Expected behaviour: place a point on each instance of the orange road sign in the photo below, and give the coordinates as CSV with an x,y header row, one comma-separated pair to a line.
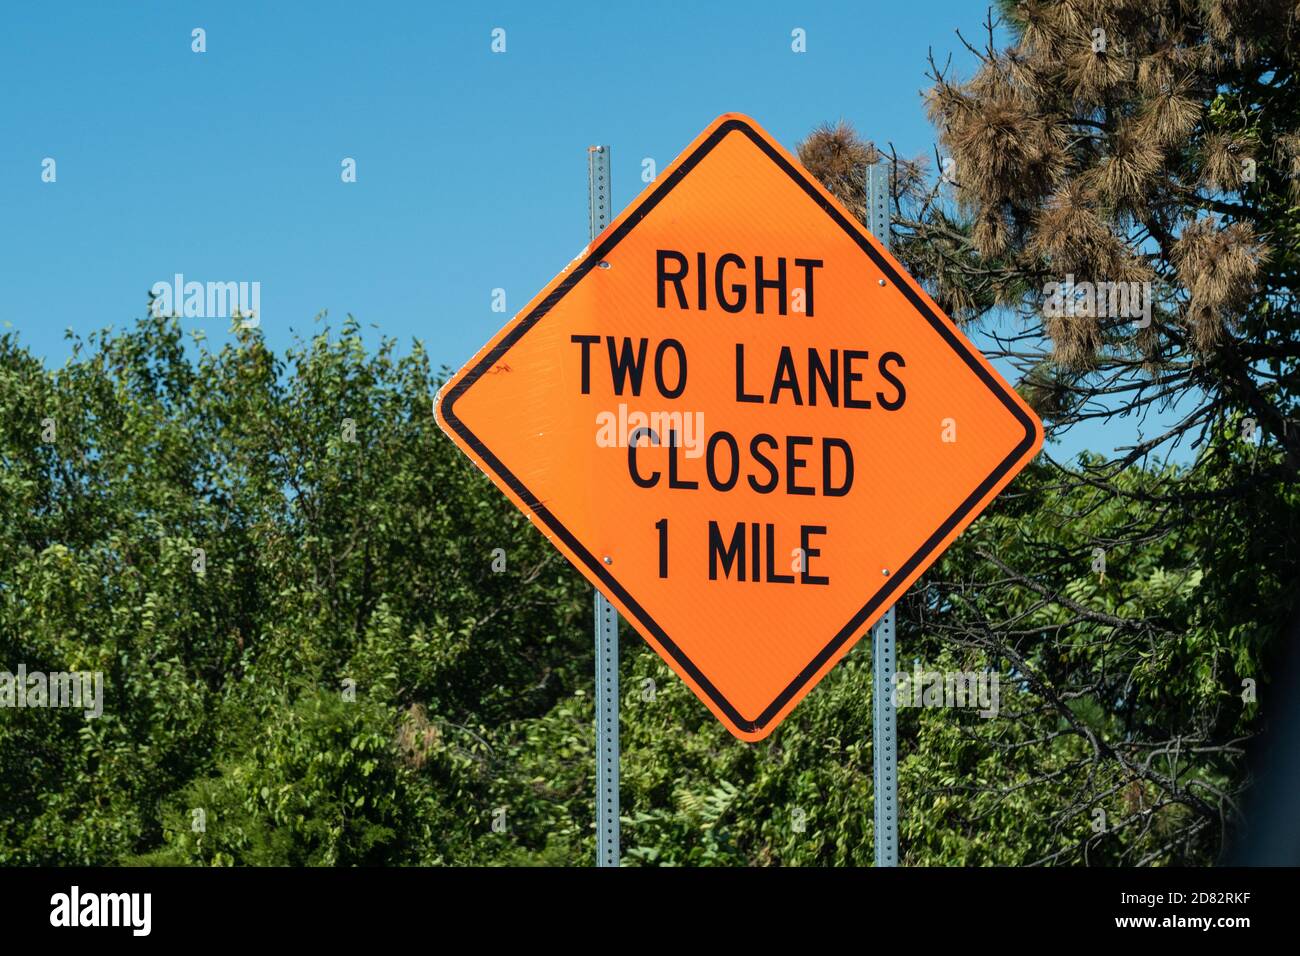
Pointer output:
x,y
742,421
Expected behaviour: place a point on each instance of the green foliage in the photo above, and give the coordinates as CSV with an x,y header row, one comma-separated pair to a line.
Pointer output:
x,y
341,538
320,784
230,735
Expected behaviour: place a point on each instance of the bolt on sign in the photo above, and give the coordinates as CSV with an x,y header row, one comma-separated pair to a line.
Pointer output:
x,y
741,419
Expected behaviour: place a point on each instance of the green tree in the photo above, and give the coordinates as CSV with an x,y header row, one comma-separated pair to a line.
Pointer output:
x,y
1110,148
231,539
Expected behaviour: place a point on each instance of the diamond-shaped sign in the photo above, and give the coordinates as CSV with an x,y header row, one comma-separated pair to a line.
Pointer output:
x,y
742,421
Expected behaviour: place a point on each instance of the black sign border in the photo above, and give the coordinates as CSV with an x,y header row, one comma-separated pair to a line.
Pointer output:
x,y
594,565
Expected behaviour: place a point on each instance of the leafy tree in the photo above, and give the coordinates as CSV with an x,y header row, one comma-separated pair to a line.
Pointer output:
x,y
233,540
278,709
1119,148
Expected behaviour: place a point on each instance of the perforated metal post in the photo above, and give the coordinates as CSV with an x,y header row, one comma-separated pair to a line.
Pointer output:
x,y
607,852
884,656
598,195
884,734
607,750
878,201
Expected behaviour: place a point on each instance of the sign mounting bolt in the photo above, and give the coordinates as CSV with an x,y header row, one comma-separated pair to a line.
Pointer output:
x,y
885,571
608,559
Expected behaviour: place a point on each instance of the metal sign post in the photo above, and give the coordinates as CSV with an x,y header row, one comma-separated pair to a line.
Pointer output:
x,y
884,660
885,740
607,750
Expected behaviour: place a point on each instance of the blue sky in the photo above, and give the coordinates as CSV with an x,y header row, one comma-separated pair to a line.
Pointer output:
x,y
470,165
